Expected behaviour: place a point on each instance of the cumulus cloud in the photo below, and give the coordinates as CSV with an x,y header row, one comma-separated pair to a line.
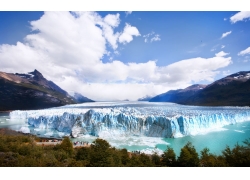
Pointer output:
x,y
109,23
112,20
221,54
185,71
244,52
240,16
67,48
226,34
128,33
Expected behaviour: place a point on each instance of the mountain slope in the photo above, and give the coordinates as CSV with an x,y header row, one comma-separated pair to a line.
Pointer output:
x,y
146,98
81,99
233,90
30,91
178,96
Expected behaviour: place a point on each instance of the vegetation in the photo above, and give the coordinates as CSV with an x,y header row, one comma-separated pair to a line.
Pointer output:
x,y
22,151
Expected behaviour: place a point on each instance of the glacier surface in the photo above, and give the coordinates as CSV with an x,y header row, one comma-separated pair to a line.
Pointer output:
x,y
123,119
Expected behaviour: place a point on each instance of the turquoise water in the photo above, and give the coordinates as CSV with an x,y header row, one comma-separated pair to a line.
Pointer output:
x,y
216,141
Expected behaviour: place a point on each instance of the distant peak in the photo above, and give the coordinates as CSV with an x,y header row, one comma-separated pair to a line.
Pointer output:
x,y
36,73
196,86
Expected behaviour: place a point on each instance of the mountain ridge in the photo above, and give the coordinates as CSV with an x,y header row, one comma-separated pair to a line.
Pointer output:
x,y
80,98
30,91
232,90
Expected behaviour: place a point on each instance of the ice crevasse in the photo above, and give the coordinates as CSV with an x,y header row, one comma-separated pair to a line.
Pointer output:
x,y
152,121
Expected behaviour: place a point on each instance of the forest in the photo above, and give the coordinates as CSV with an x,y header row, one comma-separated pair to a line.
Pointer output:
x,y
22,151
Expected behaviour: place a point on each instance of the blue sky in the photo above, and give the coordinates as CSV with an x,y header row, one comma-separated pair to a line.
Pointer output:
x,y
117,55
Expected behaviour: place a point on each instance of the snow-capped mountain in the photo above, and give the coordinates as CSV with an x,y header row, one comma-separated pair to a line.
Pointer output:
x,y
179,95
30,91
233,90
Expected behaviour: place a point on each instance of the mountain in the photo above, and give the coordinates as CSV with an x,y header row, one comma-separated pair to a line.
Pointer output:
x,y
30,91
178,96
146,98
81,99
232,90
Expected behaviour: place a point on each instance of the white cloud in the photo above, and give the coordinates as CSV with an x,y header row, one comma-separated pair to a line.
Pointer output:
x,y
112,20
243,52
222,46
153,79
128,33
108,24
128,12
240,16
114,91
225,19
67,48
221,54
215,47
155,38
226,34
147,36
116,52
184,71
110,36
152,36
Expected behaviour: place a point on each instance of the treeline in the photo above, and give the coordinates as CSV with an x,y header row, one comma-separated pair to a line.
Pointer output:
x,y
22,151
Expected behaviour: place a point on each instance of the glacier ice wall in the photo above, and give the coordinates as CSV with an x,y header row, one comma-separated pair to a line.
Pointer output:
x,y
139,119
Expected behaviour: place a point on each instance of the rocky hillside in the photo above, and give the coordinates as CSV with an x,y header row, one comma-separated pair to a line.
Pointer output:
x,y
178,96
30,91
233,90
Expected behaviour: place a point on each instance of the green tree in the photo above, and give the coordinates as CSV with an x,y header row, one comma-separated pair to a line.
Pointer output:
x,y
124,157
100,144
135,161
116,157
188,156
169,157
67,146
60,155
145,160
156,160
207,159
239,156
83,154
100,154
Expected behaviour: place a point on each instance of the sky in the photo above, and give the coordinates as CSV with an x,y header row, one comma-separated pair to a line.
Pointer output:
x,y
125,55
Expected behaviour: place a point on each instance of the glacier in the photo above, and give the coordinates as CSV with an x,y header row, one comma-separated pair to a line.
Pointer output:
x,y
123,119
